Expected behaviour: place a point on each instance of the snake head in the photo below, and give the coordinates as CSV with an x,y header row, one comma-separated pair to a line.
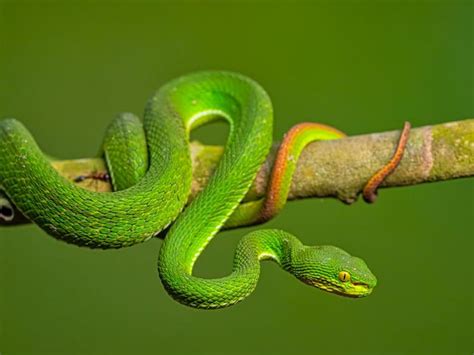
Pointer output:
x,y
333,270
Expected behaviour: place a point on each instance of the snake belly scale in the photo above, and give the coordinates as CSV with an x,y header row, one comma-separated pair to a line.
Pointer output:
x,y
153,199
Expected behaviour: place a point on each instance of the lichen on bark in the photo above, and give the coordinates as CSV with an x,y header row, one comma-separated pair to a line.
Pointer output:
x,y
338,168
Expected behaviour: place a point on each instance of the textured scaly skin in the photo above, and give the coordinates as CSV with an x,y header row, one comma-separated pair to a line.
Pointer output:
x,y
125,151
136,213
104,220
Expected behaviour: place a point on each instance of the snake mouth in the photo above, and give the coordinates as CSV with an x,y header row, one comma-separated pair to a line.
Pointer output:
x,y
359,289
355,290
360,284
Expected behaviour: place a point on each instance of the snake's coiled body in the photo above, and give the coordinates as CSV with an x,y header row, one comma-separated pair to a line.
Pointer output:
x,y
157,193
101,220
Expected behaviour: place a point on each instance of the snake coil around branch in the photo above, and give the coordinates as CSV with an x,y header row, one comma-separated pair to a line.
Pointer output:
x,y
158,182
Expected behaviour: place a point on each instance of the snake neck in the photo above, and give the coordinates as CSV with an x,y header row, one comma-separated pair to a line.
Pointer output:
x,y
190,290
267,244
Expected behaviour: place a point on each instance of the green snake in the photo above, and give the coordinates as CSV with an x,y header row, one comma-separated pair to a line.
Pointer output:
x,y
150,167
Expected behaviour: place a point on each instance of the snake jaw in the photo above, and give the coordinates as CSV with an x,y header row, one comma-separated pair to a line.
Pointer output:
x,y
358,290
351,290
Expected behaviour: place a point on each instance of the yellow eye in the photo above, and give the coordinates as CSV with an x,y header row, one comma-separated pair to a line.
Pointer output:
x,y
344,276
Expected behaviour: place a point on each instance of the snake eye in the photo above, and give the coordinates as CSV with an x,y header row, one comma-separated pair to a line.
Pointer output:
x,y
344,276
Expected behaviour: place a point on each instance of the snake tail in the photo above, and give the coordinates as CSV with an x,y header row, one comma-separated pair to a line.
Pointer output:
x,y
293,143
284,166
369,193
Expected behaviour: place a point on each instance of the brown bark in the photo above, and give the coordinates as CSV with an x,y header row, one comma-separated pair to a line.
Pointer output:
x,y
337,168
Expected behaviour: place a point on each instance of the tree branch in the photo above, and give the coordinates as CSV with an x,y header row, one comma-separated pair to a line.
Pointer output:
x,y
336,168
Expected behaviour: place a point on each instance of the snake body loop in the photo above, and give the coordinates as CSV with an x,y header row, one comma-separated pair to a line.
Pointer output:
x,y
101,220
155,192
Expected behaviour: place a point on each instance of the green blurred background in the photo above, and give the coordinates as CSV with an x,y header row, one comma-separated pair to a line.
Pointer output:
x,y
67,68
